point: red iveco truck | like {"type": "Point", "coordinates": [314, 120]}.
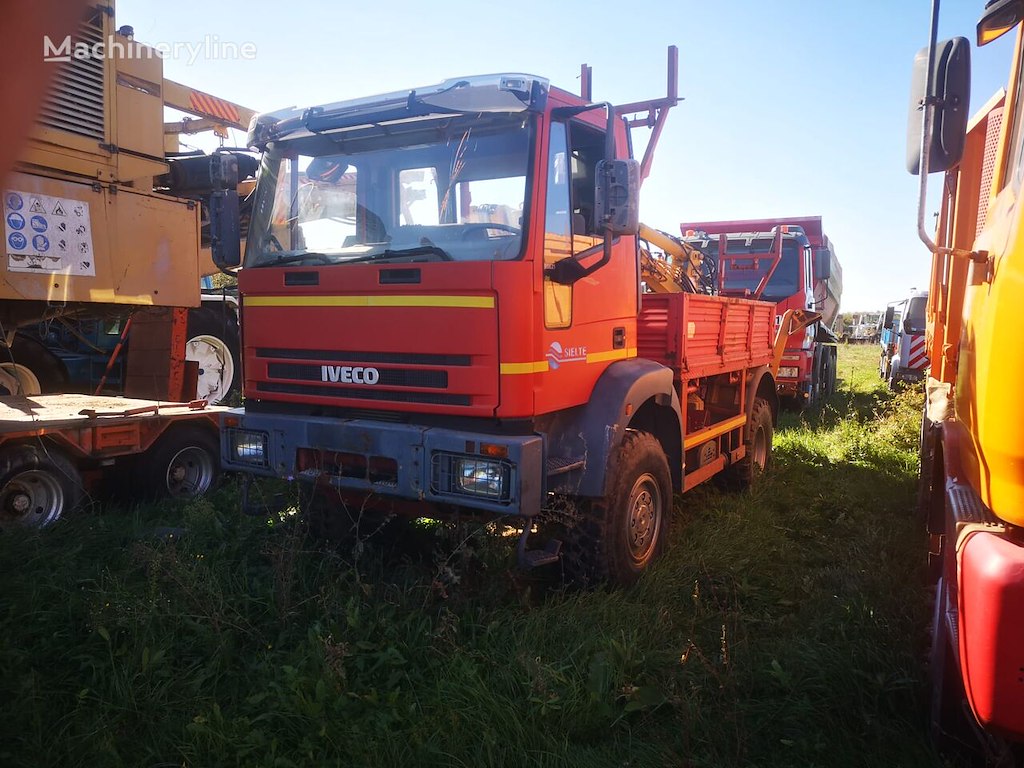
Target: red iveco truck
{"type": "Point", "coordinates": [792, 263]}
{"type": "Point", "coordinates": [442, 313]}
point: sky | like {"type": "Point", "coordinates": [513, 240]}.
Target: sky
{"type": "Point", "coordinates": [790, 107]}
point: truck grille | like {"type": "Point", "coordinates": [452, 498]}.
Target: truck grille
{"type": "Point", "coordinates": [75, 101]}
{"type": "Point", "coordinates": [427, 398]}
{"type": "Point", "coordinates": [389, 377]}
{"type": "Point", "coordinates": [401, 358]}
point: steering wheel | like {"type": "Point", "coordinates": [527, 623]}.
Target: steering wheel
{"type": "Point", "coordinates": [478, 230]}
{"type": "Point", "coordinates": [272, 240]}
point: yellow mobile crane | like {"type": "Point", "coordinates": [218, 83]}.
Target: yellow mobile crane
{"type": "Point", "coordinates": [103, 218]}
{"type": "Point", "coordinates": [104, 214]}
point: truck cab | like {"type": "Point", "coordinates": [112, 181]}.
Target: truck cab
{"type": "Point", "coordinates": [442, 315]}
{"type": "Point", "coordinates": [791, 263]}
{"type": "Point", "coordinates": [904, 353]}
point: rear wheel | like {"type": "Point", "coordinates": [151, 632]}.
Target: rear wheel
{"type": "Point", "coordinates": [183, 463]}
{"type": "Point", "coordinates": [758, 442]}
{"type": "Point", "coordinates": [620, 535]}
{"type": "Point", "coordinates": [37, 485]}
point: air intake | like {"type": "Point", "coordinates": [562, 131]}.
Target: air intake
{"type": "Point", "coordinates": [75, 102]}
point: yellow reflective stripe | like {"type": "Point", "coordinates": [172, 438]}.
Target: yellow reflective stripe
{"type": "Point", "coordinates": [511, 369]}
{"type": "Point", "coordinates": [540, 366]}
{"type": "Point", "coordinates": [464, 302]}
{"type": "Point", "coordinates": [614, 354]}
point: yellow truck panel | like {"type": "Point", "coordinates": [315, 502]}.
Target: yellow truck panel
{"type": "Point", "coordinates": [142, 249]}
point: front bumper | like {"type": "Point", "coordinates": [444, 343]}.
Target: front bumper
{"type": "Point", "coordinates": [476, 470]}
{"type": "Point", "coordinates": [910, 376]}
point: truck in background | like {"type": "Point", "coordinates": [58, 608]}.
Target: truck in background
{"type": "Point", "coordinates": [462, 259]}
{"type": "Point", "coordinates": [972, 468]}
{"type": "Point", "coordinates": [103, 217]}
{"type": "Point", "coordinates": [904, 353]}
{"type": "Point", "coordinates": [792, 263]}
{"type": "Point", "coordinates": [863, 328]}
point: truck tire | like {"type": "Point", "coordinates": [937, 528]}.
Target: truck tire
{"type": "Point", "coordinates": [758, 442]}
{"type": "Point", "coordinates": [892, 377]}
{"type": "Point", "coordinates": [183, 463]}
{"type": "Point", "coordinates": [618, 536]}
{"type": "Point", "coordinates": [950, 729]}
{"type": "Point", "coordinates": [32, 369]}
{"type": "Point", "coordinates": [213, 344]}
{"type": "Point", "coordinates": [38, 484]}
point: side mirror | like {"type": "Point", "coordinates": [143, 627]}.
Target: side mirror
{"type": "Point", "coordinates": [887, 319]}
{"type": "Point", "coordinates": [617, 196]}
{"type": "Point", "coordinates": [822, 264]}
{"type": "Point", "coordinates": [999, 18]}
{"type": "Point", "coordinates": [225, 234]}
{"type": "Point", "coordinates": [951, 95]}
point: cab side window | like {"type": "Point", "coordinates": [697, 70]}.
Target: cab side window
{"type": "Point", "coordinates": [587, 150]}
{"type": "Point", "coordinates": [558, 236]}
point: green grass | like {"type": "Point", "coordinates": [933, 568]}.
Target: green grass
{"type": "Point", "coordinates": [785, 627]}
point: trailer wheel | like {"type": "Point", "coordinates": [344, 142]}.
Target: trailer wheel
{"type": "Point", "coordinates": [758, 441]}
{"type": "Point", "coordinates": [183, 463]}
{"type": "Point", "coordinates": [213, 344]}
{"type": "Point", "coordinates": [37, 485]}
{"type": "Point", "coordinates": [620, 535]}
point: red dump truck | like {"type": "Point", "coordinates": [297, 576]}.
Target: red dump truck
{"type": "Point", "coordinates": [442, 314]}
{"type": "Point", "coordinates": [791, 262]}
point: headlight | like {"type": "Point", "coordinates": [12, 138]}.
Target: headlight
{"type": "Point", "coordinates": [482, 478]}
{"type": "Point", "coordinates": [248, 447]}
{"type": "Point", "coordinates": [462, 475]}
{"type": "Point", "coordinates": [788, 372]}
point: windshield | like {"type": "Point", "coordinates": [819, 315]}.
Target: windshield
{"type": "Point", "coordinates": [745, 273]}
{"type": "Point", "coordinates": [438, 190]}
{"type": "Point", "coordinates": [915, 322]}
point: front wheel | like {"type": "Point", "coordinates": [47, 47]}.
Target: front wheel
{"type": "Point", "coordinates": [621, 534]}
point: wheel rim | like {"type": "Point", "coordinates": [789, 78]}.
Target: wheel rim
{"type": "Point", "coordinates": [216, 367]}
{"type": "Point", "coordinates": [19, 380]}
{"type": "Point", "coordinates": [759, 449]}
{"type": "Point", "coordinates": [31, 499]}
{"type": "Point", "coordinates": [190, 473]}
{"type": "Point", "coordinates": [644, 519]}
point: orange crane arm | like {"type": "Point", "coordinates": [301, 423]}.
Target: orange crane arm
{"type": "Point", "coordinates": [213, 112]}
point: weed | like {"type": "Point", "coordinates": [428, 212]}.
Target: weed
{"type": "Point", "coordinates": [783, 627]}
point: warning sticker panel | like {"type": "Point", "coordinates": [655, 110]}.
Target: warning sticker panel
{"type": "Point", "coordinates": [47, 234]}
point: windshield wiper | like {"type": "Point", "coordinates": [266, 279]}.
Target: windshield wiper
{"type": "Point", "coordinates": [419, 250]}
{"type": "Point", "coordinates": [291, 258]}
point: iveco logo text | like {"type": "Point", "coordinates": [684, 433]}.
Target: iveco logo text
{"type": "Point", "coordinates": [348, 374]}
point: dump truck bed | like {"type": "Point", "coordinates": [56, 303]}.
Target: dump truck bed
{"type": "Point", "coordinates": [697, 335]}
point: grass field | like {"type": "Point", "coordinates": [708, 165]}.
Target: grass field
{"type": "Point", "coordinates": [785, 627]}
